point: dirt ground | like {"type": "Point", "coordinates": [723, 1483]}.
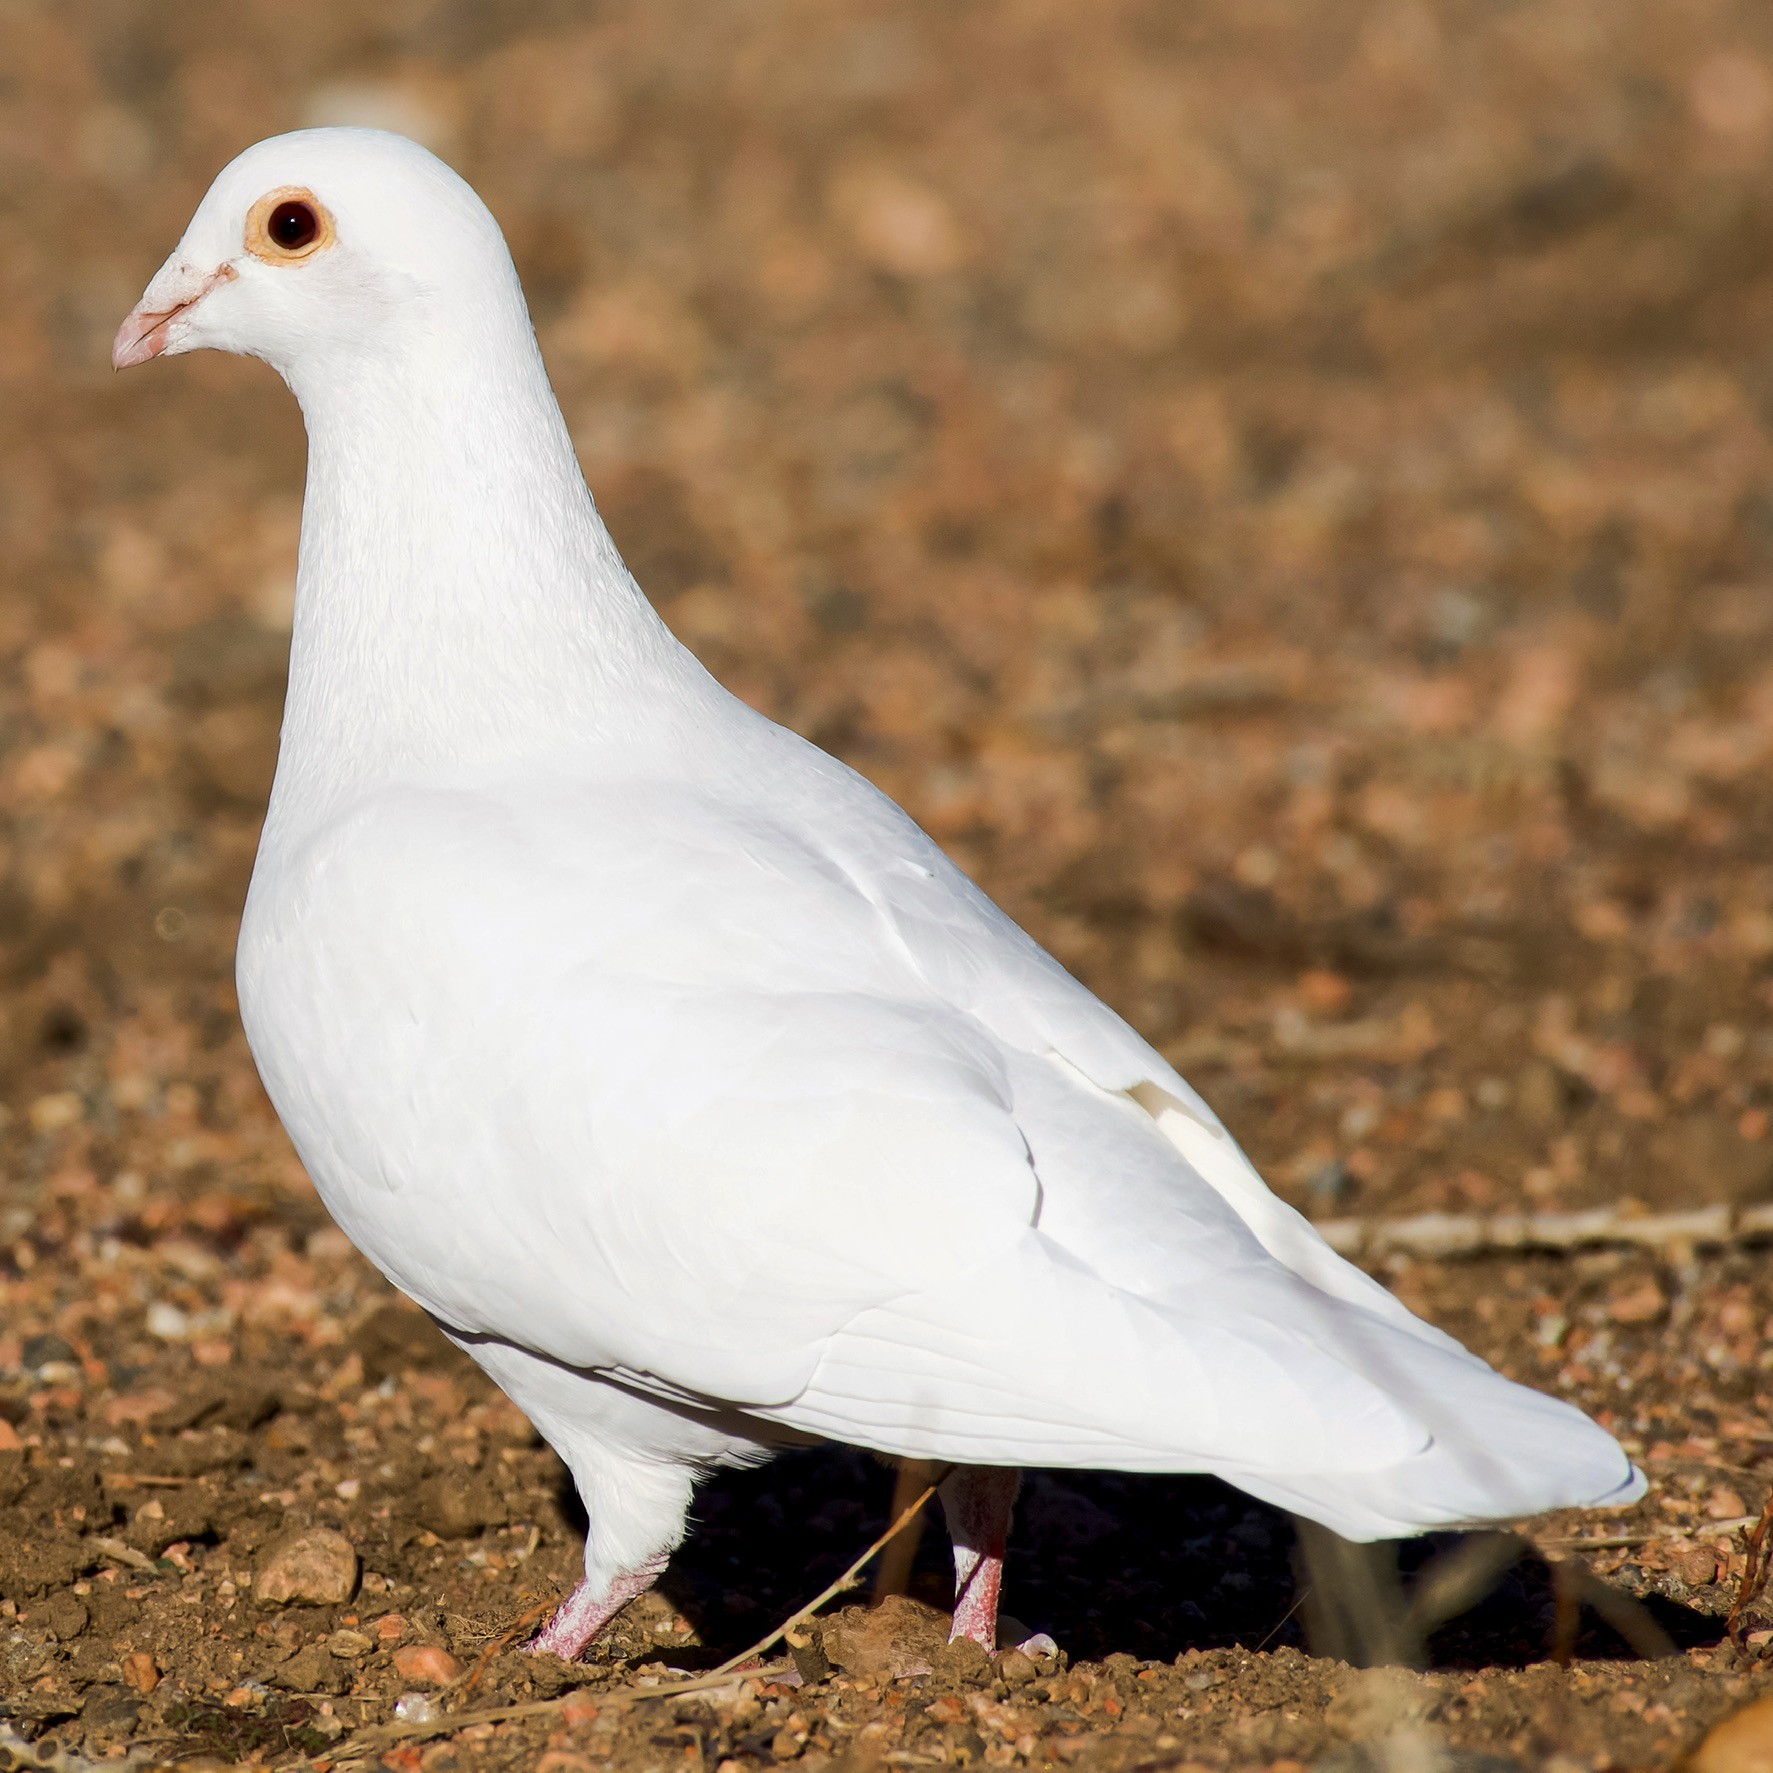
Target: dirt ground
{"type": "Point", "coordinates": [1284, 493]}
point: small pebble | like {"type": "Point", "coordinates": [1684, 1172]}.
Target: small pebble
{"type": "Point", "coordinates": [1642, 1302]}
{"type": "Point", "coordinates": [426, 1665]}
{"type": "Point", "coordinates": [1698, 1566]}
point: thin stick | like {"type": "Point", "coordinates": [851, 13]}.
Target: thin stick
{"type": "Point", "coordinates": [372, 1737]}
{"type": "Point", "coordinates": [376, 1736]}
{"type": "Point", "coordinates": [1755, 1566]}
{"type": "Point", "coordinates": [846, 1580]}
{"type": "Point", "coordinates": [506, 1638]}
{"type": "Point", "coordinates": [1299, 1601]}
{"type": "Point", "coordinates": [1476, 1234]}
{"type": "Point", "coordinates": [1606, 1542]}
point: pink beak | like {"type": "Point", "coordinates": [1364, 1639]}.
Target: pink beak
{"type": "Point", "coordinates": [143, 333]}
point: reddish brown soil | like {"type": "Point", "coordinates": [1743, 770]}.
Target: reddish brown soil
{"type": "Point", "coordinates": [1284, 492]}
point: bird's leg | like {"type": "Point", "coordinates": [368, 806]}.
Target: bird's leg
{"type": "Point", "coordinates": [586, 1611]}
{"type": "Point", "coordinates": [977, 1500]}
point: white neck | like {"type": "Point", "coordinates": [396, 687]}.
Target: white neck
{"type": "Point", "coordinates": [459, 602]}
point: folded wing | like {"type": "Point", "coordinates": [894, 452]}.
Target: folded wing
{"type": "Point", "coordinates": [805, 1125]}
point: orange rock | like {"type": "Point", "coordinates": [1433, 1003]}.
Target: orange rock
{"type": "Point", "coordinates": [1742, 1743]}
{"type": "Point", "coordinates": [1324, 993]}
{"type": "Point", "coordinates": [141, 1671]}
{"type": "Point", "coordinates": [390, 1628]}
{"type": "Point", "coordinates": [426, 1665]}
{"type": "Point", "coordinates": [578, 1709]}
{"type": "Point", "coordinates": [138, 1406]}
{"type": "Point", "coordinates": [1643, 1302]}
{"type": "Point", "coordinates": [1697, 1566]}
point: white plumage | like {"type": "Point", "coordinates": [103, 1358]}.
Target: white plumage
{"type": "Point", "coordinates": [663, 1059]}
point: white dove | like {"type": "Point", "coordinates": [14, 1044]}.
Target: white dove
{"type": "Point", "coordinates": [666, 1062]}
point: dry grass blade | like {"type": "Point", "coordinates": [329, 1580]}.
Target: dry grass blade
{"type": "Point", "coordinates": [1755, 1564]}
{"type": "Point", "coordinates": [375, 1737]}
{"type": "Point", "coordinates": [1601, 1542]}
{"type": "Point", "coordinates": [126, 1555]}
{"type": "Point", "coordinates": [1476, 1234]}
{"type": "Point", "coordinates": [506, 1638]}
{"type": "Point", "coordinates": [900, 1522]}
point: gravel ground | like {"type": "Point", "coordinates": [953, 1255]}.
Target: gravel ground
{"type": "Point", "coordinates": [1284, 493]}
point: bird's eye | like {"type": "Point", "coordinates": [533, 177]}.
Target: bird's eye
{"type": "Point", "coordinates": [292, 226]}
{"type": "Point", "coordinates": [287, 226]}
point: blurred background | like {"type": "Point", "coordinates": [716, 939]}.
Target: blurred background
{"type": "Point", "coordinates": [1282, 492]}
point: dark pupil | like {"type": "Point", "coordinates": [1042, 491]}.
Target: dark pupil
{"type": "Point", "coordinates": [292, 225]}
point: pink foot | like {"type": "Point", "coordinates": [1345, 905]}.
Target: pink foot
{"type": "Point", "coordinates": [977, 1500]}
{"type": "Point", "coordinates": [584, 1612]}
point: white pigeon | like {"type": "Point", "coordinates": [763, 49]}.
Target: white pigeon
{"type": "Point", "coordinates": [663, 1059]}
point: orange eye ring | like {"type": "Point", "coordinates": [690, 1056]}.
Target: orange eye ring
{"type": "Point", "coordinates": [287, 226]}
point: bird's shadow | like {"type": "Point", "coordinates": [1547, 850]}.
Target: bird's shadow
{"type": "Point", "coordinates": [1104, 1561]}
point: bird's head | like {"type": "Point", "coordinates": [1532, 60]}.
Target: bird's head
{"type": "Point", "coordinates": [321, 245]}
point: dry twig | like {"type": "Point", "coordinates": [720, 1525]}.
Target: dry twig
{"type": "Point", "coordinates": [1755, 1567]}
{"type": "Point", "coordinates": [847, 1580]}
{"type": "Point", "coordinates": [1477, 1234]}
{"type": "Point", "coordinates": [375, 1737]}
{"type": "Point", "coordinates": [506, 1638]}
{"type": "Point", "coordinates": [371, 1739]}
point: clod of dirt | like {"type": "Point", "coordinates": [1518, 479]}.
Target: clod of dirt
{"type": "Point", "coordinates": [899, 1638]}
{"type": "Point", "coordinates": [63, 1616]}
{"type": "Point", "coordinates": [33, 1562]}
{"type": "Point", "coordinates": [314, 1565]}
{"type": "Point", "coordinates": [56, 1491]}
{"type": "Point", "coordinates": [965, 1663]}
{"type": "Point", "coordinates": [197, 1452]}
{"type": "Point", "coordinates": [13, 1476]}
{"type": "Point", "coordinates": [312, 1670]}
{"type": "Point", "coordinates": [395, 1338]}
{"type": "Point", "coordinates": [1742, 1743]}
{"type": "Point", "coordinates": [425, 1665]}
{"type": "Point", "coordinates": [110, 1712]}
{"type": "Point", "coordinates": [807, 1647]}
{"type": "Point", "coordinates": [457, 1505]}
{"type": "Point", "coordinates": [242, 1400]}
{"type": "Point", "coordinates": [163, 1520]}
